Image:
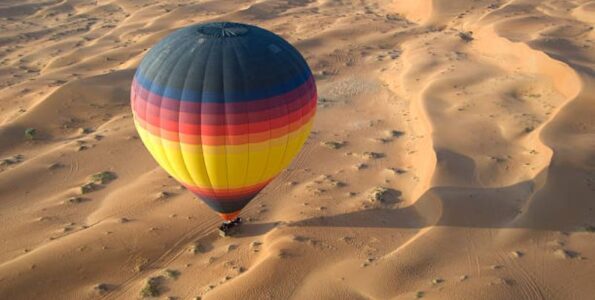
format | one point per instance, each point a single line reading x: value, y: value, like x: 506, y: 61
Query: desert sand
x: 452, y: 156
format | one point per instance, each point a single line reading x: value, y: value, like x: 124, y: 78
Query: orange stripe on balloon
x: 226, y: 139
x: 155, y: 119
x: 230, y: 216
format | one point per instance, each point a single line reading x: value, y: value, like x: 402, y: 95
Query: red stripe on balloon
x: 227, y: 194
x: 226, y: 129
x: 143, y: 107
x: 217, y: 140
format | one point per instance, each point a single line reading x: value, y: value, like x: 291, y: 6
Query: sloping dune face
x: 452, y: 156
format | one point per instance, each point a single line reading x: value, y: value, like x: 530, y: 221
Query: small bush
x: 333, y: 144
x: 11, y: 160
x: 196, y: 248
x: 395, y: 133
x: 87, y: 187
x: 566, y: 254
x: 85, y: 130
x: 373, y: 155
x: 397, y: 171
x: 140, y: 264
x: 466, y: 36
x: 30, y: 133
x: 103, y: 177
x: 75, y: 200
x: 163, y: 195
x: 384, y: 195
x: 173, y: 274
x: 517, y: 254
x: 151, y: 288
x: 102, y: 288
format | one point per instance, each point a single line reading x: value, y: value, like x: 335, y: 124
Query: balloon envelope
x: 223, y: 108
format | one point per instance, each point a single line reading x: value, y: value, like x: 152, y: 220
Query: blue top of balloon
x: 222, y: 62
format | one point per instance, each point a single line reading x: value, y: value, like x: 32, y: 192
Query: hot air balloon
x: 223, y: 108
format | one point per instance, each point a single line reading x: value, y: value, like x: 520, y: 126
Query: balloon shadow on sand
x: 254, y: 229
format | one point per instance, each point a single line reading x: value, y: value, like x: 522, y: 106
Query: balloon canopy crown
x: 223, y: 29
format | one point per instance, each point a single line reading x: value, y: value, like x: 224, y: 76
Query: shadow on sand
x: 560, y: 204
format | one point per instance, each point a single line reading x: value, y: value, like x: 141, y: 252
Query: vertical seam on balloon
x: 287, y: 130
x: 154, y: 64
x: 200, y: 145
x: 173, y: 69
x: 268, y: 151
x: 295, y: 64
x: 297, y: 69
x: 225, y: 122
x: 159, y: 138
x: 243, y: 201
x: 200, y: 131
x: 173, y: 41
x: 160, y: 144
x: 242, y: 71
x: 194, y: 181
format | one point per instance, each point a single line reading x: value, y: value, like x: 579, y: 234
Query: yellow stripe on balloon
x: 225, y: 166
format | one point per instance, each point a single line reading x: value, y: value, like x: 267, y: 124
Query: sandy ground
x: 453, y: 156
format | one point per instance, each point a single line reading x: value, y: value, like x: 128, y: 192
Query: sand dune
x: 452, y: 157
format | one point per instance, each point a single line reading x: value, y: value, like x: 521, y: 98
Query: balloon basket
x: 230, y: 228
